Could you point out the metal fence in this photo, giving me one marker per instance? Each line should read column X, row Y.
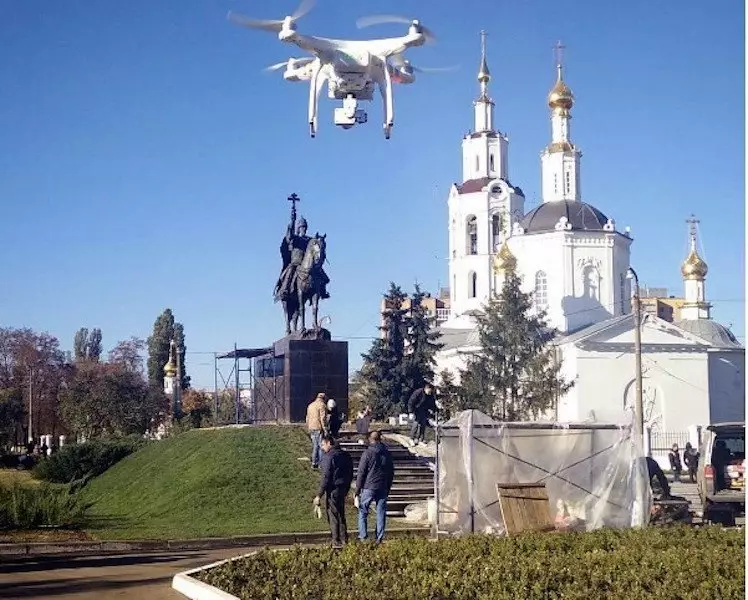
column 662, row 441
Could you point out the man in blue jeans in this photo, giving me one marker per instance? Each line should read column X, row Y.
column 376, row 472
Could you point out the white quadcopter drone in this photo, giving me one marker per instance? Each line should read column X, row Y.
column 349, row 67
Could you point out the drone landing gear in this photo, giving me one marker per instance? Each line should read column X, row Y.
column 312, row 129
column 387, row 130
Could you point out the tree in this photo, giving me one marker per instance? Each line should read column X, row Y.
column 197, row 407
column 11, row 413
column 87, row 344
column 33, row 364
column 165, row 329
column 128, row 353
column 515, row 375
column 107, row 399
column 421, row 344
column 383, row 370
column 450, row 396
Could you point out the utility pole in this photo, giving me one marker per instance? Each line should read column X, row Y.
column 636, row 303
column 31, row 402
column 178, row 385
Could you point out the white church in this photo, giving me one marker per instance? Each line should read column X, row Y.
column 575, row 261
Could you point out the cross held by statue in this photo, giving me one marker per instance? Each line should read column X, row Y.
column 293, row 199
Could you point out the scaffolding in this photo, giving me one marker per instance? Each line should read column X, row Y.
column 255, row 380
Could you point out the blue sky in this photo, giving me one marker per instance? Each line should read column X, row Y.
column 146, row 157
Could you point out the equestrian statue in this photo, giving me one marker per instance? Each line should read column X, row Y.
column 302, row 279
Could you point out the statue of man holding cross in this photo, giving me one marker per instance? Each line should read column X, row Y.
column 293, row 250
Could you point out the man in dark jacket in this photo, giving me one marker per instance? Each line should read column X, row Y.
column 376, row 472
column 421, row 406
column 337, row 476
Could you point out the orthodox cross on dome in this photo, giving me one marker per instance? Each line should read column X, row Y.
column 558, row 54
column 692, row 223
column 484, row 75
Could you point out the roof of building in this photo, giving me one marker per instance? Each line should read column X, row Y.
column 476, row 185
column 458, row 338
column 710, row 331
column 579, row 215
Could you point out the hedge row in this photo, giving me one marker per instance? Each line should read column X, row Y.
column 90, row 459
column 647, row 564
column 33, row 506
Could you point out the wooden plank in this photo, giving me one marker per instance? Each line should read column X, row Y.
column 524, row 507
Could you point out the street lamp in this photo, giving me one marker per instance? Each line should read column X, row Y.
column 636, row 304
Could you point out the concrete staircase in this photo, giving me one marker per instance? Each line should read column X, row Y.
column 414, row 479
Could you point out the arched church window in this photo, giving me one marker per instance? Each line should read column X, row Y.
column 555, row 183
column 495, row 231
column 472, row 284
column 472, row 235
column 477, row 163
column 541, row 290
column 623, row 294
column 454, row 287
column 490, row 161
column 592, row 283
column 568, row 182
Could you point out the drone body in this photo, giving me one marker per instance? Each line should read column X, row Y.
column 350, row 68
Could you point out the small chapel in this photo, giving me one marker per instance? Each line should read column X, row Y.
column 575, row 261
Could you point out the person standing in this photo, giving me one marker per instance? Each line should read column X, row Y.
column 691, row 458
column 675, row 463
column 421, row 405
column 316, row 419
column 363, row 421
column 376, row 471
column 337, row 477
column 334, row 420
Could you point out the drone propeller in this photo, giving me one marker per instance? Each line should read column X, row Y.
column 399, row 61
column 274, row 25
column 292, row 62
column 381, row 19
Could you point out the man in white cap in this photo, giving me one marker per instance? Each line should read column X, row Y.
column 333, row 418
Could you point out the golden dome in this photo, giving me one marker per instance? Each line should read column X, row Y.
column 170, row 368
column 694, row 266
column 560, row 96
column 504, row 259
column 484, row 75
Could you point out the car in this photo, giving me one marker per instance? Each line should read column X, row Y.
column 721, row 472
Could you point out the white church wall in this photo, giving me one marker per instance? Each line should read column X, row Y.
column 674, row 388
column 726, row 386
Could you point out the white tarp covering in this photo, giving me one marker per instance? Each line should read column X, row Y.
column 594, row 473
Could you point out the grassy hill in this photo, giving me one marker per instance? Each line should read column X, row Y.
column 207, row 483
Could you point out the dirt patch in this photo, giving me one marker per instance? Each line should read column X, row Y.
column 44, row 535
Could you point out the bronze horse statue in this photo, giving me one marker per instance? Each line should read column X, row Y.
column 309, row 285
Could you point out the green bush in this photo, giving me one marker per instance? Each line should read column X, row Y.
column 33, row 506
column 90, row 459
column 645, row 564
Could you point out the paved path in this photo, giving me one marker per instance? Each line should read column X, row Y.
column 130, row 576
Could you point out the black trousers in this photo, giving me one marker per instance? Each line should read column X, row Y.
column 336, row 516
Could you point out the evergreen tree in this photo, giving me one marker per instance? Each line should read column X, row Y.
column 87, row 344
column 383, row 372
column 165, row 329
column 80, row 344
column 450, row 396
column 421, row 345
column 515, row 376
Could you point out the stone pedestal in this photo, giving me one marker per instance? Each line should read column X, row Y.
column 304, row 366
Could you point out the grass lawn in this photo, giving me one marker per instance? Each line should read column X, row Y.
column 208, row 483
column 9, row 477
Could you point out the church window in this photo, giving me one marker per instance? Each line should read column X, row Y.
column 495, row 231
column 555, row 183
column 568, row 182
column 541, row 290
column 472, row 235
column 472, row 284
column 490, row 159
column 623, row 294
column 477, row 163
column 454, row 287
